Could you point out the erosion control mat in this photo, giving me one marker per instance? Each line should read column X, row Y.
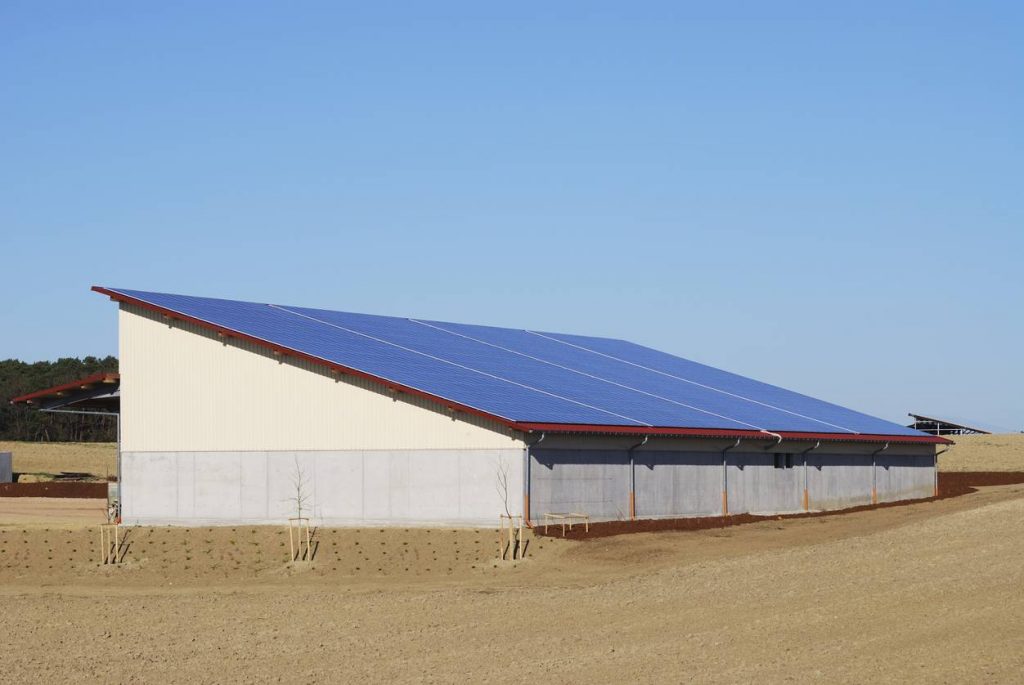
column 55, row 489
column 951, row 484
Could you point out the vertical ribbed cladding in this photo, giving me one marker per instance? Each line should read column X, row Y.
column 190, row 390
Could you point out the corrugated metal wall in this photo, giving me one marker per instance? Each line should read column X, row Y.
column 183, row 389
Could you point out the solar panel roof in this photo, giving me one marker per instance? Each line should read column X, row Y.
column 529, row 379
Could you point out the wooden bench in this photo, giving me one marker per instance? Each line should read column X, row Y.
column 566, row 518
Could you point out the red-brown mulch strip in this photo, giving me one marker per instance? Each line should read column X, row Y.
column 55, row 489
column 950, row 485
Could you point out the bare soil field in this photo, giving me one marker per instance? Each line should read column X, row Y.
column 929, row 592
column 998, row 452
column 96, row 458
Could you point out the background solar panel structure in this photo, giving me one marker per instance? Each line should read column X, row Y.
column 529, row 376
column 653, row 385
column 741, row 385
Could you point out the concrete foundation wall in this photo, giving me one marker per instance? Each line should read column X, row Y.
column 358, row 487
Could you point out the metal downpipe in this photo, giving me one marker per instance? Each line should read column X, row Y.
column 807, row 499
column 935, row 471
column 725, row 477
column 632, row 477
column 778, row 440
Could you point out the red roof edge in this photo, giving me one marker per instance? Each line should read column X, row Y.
column 102, row 377
column 516, row 425
column 669, row 431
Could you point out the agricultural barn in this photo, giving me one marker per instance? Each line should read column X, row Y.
column 225, row 405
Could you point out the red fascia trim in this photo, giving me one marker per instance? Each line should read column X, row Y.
column 726, row 433
column 102, row 377
column 287, row 351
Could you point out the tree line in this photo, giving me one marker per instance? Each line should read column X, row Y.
column 23, row 423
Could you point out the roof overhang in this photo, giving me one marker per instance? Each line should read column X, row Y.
column 670, row 431
column 526, row 427
column 98, row 393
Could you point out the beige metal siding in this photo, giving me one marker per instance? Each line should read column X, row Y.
column 184, row 389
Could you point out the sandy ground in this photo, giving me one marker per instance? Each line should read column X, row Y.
column 929, row 592
column 1000, row 452
column 97, row 458
column 41, row 512
column 932, row 592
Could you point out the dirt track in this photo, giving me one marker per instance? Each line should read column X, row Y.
column 928, row 592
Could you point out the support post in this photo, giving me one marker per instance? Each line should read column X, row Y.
column 874, row 473
column 725, row 477
column 526, row 479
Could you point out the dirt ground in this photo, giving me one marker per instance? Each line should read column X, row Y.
column 96, row 458
column 999, row 452
column 927, row 592
column 930, row 592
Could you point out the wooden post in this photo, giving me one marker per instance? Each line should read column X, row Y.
column 110, row 543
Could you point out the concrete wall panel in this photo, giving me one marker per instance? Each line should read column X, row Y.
column 838, row 481
column 595, row 482
column 672, row 484
column 342, row 488
column 904, row 477
column 757, row 487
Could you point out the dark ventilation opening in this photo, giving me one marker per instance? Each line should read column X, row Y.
column 783, row 460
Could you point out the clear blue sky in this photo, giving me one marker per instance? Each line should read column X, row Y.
column 827, row 198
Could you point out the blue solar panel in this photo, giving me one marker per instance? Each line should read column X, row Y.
column 633, row 354
column 530, row 377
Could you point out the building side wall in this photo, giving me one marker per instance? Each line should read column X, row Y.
column 183, row 389
column 352, row 487
column 672, row 482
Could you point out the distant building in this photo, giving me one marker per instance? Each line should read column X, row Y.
column 933, row 426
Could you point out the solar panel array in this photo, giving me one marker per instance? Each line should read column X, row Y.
column 529, row 376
